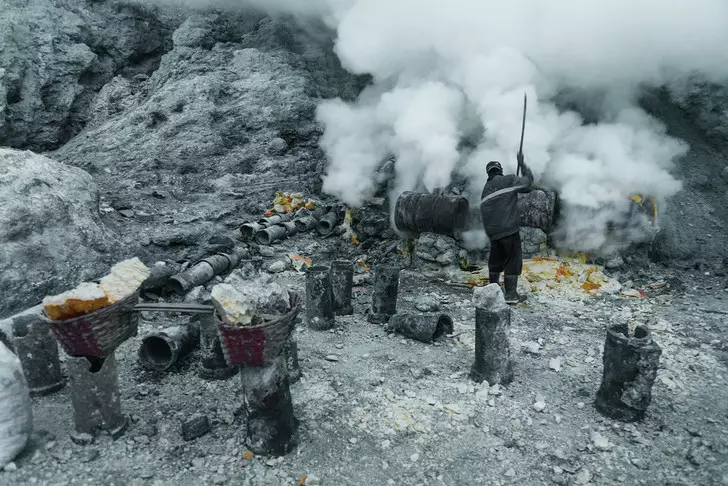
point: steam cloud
(449, 78)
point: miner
(501, 219)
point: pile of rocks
(433, 251)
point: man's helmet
(493, 166)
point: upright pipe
(630, 369)
(319, 298)
(37, 349)
(342, 281)
(384, 293)
(267, 404)
(160, 350)
(268, 235)
(95, 396)
(492, 350)
(212, 360)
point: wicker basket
(257, 345)
(100, 332)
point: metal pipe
(421, 327)
(273, 220)
(160, 350)
(342, 281)
(492, 350)
(327, 223)
(384, 293)
(37, 349)
(212, 360)
(306, 223)
(95, 396)
(204, 271)
(159, 275)
(291, 228)
(319, 298)
(268, 235)
(248, 230)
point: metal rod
(184, 308)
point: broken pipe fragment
(160, 350)
(630, 368)
(421, 327)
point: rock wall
(56, 55)
(51, 236)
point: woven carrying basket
(257, 345)
(100, 332)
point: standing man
(502, 222)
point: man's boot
(511, 288)
(493, 278)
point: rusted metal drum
(430, 213)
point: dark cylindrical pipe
(306, 223)
(421, 327)
(248, 230)
(203, 271)
(212, 360)
(422, 213)
(384, 293)
(342, 281)
(160, 350)
(159, 276)
(630, 368)
(273, 220)
(270, 234)
(319, 298)
(37, 349)
(492, 350)
(327, 224)
(291, 228)
(268, 407)
(291, 354)
(95, 395)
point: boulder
(51, 235)
(433, 251)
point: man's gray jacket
(499, 203)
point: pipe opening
(640, 332)
(157, 352)
(621, 329)
(444, 326)
(247, 231)
(300, 225)
(95, 364)
(175, 285)
(325, 226)
(263, 237)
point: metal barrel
(429, 213)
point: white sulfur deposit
(241, 301)
(124, 279)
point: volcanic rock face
(51, 236)
(54, 57)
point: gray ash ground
(378, 409)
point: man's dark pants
(505, 255)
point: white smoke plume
(448, 84)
